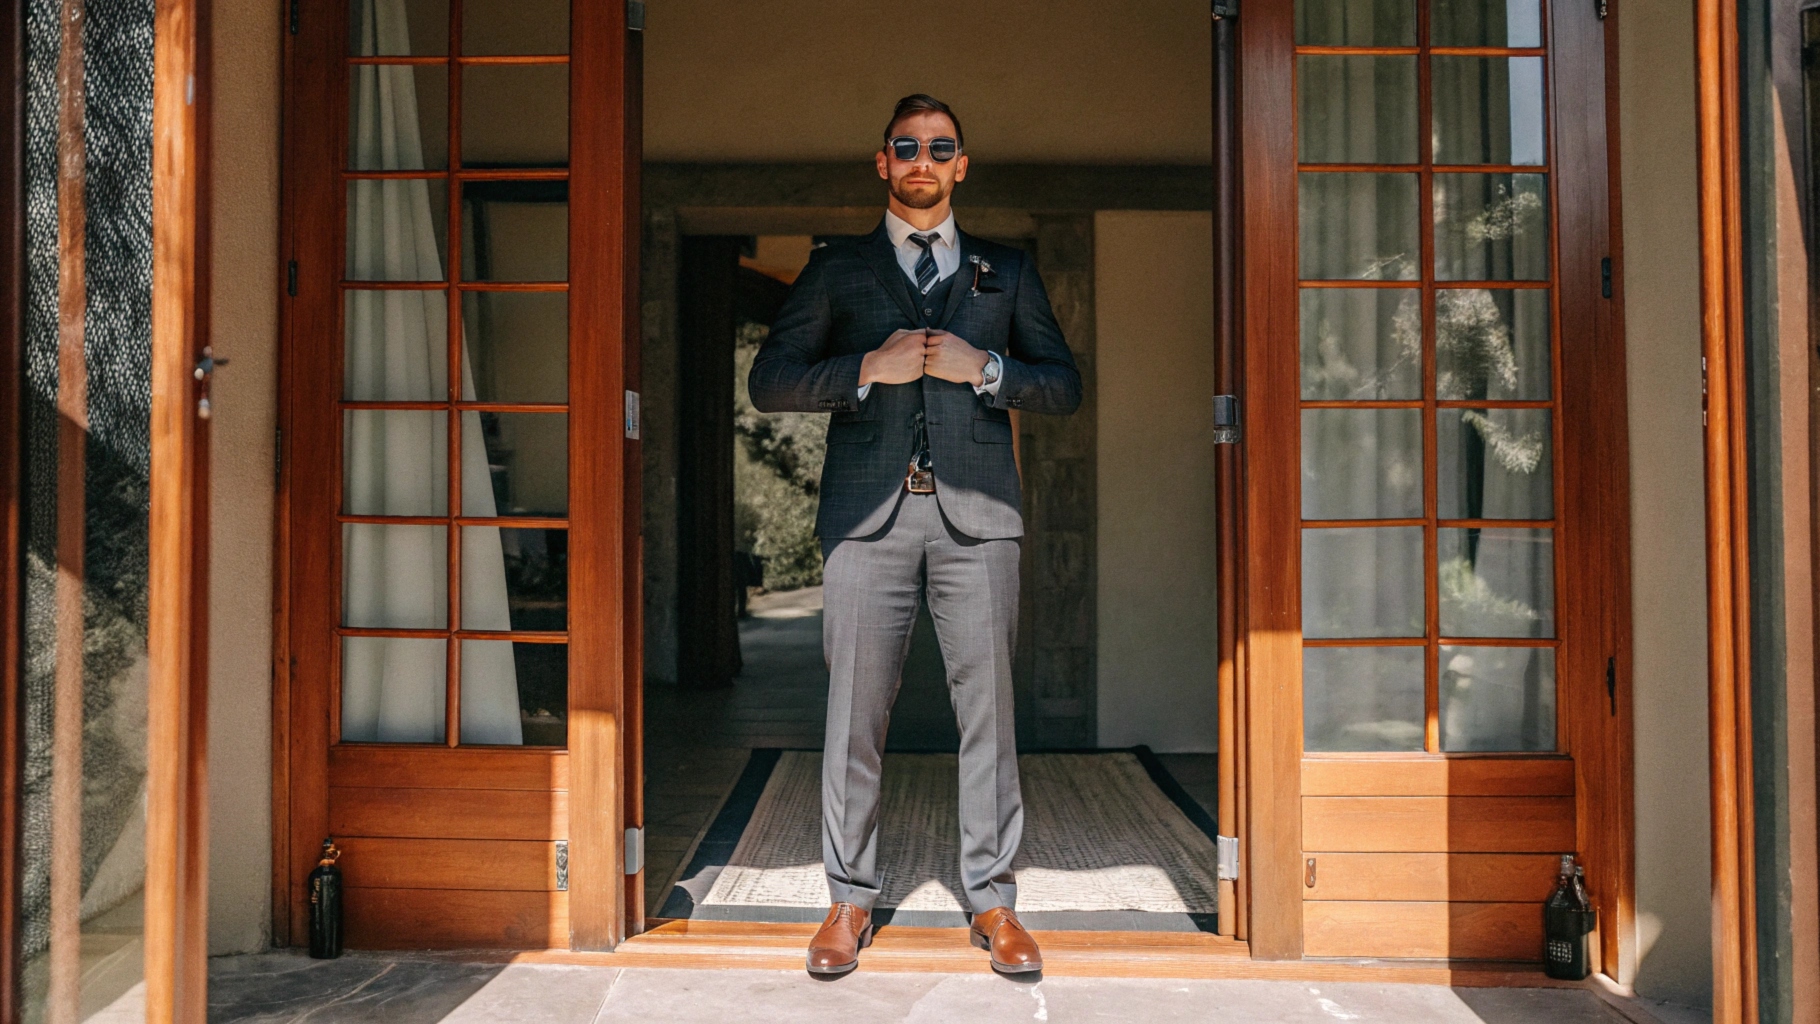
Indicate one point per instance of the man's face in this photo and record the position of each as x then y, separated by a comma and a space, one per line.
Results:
922, 183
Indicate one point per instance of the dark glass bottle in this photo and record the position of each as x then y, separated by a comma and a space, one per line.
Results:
324, 887
1567, 920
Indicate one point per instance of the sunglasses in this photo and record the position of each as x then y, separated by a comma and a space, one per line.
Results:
907, 148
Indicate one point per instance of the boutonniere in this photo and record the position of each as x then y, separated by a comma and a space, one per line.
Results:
982, 271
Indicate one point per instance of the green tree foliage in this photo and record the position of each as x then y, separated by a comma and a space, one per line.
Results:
777, 468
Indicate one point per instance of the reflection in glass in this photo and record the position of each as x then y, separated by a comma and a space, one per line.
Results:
1487, 110
397, 229
514, 27
1363, 698
515, 115
394, 577
395, 346
519, 345
398, 117
1358, 226
515, 231
1497, 698
528, 461
1492, 343
1497, 582
1491, 227
395, 462
1362, 582
1355, 23
1513, 23
1358, 110
392, 690
1361, 343
398, 28
539, 699
1495, 463
532, 579
1361, 463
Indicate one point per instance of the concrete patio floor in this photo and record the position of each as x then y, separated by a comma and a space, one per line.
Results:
289, 988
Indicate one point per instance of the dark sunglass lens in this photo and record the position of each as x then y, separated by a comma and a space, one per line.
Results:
942, 150
905, 148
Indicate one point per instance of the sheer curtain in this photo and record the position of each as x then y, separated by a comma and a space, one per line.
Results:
395, 462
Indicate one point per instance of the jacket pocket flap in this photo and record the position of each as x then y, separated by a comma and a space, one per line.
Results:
857, 432
992, 431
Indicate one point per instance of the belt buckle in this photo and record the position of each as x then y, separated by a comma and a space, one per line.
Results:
921, 477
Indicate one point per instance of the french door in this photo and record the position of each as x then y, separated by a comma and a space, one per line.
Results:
455, 466
1434, 485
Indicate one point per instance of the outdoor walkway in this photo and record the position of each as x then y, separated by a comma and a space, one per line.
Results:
288, 988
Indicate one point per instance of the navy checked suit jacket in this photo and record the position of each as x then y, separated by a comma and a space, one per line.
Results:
847, 301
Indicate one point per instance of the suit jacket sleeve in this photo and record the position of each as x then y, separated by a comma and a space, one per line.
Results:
1039, 371
793, 371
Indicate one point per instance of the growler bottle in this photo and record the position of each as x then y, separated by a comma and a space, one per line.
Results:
1567, 920
325, 904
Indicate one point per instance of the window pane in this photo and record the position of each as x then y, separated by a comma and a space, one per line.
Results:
398, 117
1497, 582
527, 461
1361, 343
1495, 463
394, 462
1358, 227
1515, 23
394, 577
1491, 227
515, 231
395, 346
514, 27
387, 28
1497, 698
392, 690
1356, 110
518, 345
1362, 582
1355, 23
513, 693
1361, 463
515, 115
514, 579
1488, 110
397, 229
1492, 343
1363, 698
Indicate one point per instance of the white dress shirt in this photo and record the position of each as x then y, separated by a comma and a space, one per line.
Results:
946, 249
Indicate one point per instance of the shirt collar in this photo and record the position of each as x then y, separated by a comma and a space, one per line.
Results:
900, 230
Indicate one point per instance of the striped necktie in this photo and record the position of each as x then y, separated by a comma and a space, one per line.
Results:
925, 267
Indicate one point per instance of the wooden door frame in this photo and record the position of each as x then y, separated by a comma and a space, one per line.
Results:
1595, 722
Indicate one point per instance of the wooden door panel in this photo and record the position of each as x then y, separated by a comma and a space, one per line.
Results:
1486, 776
485, 768
1432, 824
510, 865
456, 919
448, 813
1464, 877
1428, 931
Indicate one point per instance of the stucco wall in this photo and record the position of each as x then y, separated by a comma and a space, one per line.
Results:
1662, 332
244, 321
1154, 279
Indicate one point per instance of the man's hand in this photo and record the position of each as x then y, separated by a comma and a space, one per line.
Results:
898, 361
949, 357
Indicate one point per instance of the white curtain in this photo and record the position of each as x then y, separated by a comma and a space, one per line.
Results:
395, 462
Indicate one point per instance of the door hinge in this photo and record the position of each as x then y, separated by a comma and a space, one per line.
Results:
635, 15
1605, 277
1227, 860
290, 279
633, 424
1225, 9
1308, 873
562, 865
635, 850
1226, 424
1611, 683
1602, 7
295, 14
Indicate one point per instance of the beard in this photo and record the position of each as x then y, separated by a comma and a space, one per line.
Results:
919, 197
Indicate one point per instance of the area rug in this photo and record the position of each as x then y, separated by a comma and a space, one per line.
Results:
1104, 846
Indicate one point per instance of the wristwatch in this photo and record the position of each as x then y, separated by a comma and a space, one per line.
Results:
989, 374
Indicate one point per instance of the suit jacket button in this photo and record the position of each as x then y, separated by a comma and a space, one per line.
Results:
928, 312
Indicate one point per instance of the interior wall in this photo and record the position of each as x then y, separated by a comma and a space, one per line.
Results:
1662, 337
1157, 657
243, 314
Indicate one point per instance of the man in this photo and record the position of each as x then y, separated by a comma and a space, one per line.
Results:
919, 339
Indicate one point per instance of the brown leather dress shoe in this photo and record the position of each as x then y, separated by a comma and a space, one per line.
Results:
835, 948
999, 932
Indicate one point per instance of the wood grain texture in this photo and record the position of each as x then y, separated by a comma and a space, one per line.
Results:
1460, 877
448, 813
403, 767
1428, 824
1438, 777
506, 865
455, 919
1456, 931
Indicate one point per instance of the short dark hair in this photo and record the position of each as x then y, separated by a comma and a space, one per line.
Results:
919, 103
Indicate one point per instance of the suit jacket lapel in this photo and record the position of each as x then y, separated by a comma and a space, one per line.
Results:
883, 258
963, 282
